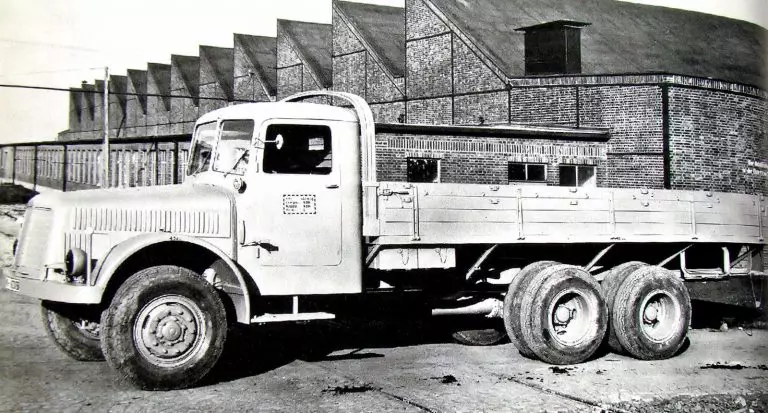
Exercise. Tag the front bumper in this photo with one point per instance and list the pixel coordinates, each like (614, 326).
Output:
(52, 291)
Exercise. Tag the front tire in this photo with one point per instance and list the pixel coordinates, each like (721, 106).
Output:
(165, 328)
(74, 329)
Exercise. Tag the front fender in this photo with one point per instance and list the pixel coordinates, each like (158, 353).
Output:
(120, 253)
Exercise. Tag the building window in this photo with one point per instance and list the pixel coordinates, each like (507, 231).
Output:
(578, 175)
(527, 172)
(298, 149)
(423, 170)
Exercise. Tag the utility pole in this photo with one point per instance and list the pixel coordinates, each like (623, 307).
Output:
(105, 150)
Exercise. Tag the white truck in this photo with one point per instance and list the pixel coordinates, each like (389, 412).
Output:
(281, 215)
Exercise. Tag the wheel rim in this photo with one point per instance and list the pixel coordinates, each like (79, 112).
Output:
(660, 316)
(90, 329)
(572, 317)
(169, 330)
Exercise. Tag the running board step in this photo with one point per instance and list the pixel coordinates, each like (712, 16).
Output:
(279, 318)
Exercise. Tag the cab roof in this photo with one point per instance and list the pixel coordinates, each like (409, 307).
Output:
(280, 110)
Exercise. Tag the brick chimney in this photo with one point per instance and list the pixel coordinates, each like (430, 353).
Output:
(553, 47)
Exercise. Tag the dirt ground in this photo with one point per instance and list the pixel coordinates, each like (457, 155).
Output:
(386, 366)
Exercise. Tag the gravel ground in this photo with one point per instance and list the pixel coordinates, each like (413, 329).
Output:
(381, 366)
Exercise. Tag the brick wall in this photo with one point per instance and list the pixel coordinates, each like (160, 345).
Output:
(158, 107)
(185, 78)
(428, 66)
(543, 105)
(216, 76)
(117, 88)
(388, 112)
(438, 111)
(421, 22)
(715, 141)
(634, 116)
(248, 74)
(379, 86)
(356, 71)
(470, 74)
(482, 160)
(135, 109)
(290, 69)
(492, 107)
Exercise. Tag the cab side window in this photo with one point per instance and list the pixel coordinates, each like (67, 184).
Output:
(298, 149)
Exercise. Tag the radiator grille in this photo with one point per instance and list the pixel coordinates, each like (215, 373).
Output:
(33, 242)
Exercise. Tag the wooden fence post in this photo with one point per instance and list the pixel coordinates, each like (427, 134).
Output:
(63, 168)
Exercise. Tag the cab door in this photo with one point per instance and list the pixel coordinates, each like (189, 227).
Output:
(297, 219)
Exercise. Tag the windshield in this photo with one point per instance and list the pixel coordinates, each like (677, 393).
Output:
(232, 151)
(229, 156)
(205, 137)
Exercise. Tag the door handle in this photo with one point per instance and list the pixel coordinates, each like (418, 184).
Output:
(332, 186)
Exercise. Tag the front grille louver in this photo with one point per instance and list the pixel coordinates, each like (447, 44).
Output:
(154, 220)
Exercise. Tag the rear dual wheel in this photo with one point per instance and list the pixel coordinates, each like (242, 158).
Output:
(650, 313)
(556, 313)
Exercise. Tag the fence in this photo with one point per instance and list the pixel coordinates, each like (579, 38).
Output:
(68, 166)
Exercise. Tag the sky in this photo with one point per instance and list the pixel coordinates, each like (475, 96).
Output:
(60, 43)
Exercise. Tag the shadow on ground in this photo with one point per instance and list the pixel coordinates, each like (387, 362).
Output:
(254, 350)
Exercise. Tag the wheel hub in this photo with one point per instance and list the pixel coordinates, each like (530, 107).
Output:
(650, 314)
(572, 316)
(660, 313)
(167, 330)
(564, 314)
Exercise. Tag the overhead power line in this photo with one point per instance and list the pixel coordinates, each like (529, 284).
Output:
(112, 92)
(82, 69)
(53, 45)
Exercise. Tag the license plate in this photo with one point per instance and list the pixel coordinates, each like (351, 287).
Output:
(12, 284)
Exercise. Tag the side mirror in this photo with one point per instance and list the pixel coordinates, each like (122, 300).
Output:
(278, 141)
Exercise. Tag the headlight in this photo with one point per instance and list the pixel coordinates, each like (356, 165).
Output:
(75, 262)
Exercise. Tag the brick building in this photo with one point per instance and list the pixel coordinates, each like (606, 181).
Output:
(681, 93)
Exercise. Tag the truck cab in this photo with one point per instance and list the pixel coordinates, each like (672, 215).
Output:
(295, 182)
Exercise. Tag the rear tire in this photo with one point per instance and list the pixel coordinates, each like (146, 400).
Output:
(165, 328)
(563, 315)
(651, 313)
(73, 330)
(513, 301)
(611, 284)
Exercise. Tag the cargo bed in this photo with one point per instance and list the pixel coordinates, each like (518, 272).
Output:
(419, 213)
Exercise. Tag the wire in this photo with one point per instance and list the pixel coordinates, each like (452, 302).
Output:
(59, 89)
(51, 71)
(44, 44)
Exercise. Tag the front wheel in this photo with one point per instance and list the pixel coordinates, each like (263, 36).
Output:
(165, 328)
(74, 329)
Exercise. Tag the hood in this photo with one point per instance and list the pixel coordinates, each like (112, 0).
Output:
(192, 209)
